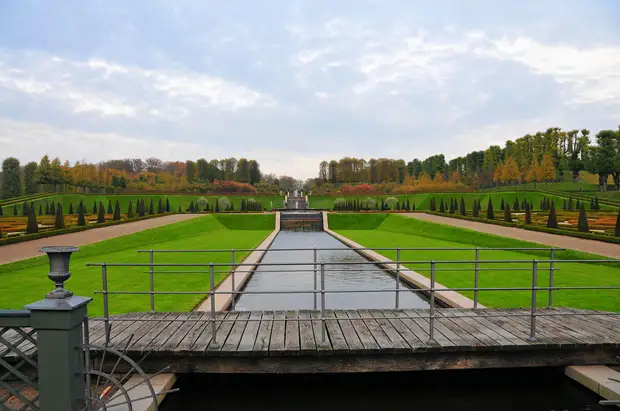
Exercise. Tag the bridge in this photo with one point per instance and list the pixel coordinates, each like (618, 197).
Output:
(362, 340)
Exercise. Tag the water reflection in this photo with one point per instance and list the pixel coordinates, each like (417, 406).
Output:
(341, 277)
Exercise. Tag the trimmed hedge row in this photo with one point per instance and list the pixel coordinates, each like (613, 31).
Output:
(21, 199)
(577, 234)
(52, 233)
(582, 197)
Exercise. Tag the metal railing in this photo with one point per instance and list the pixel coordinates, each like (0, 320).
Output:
(433, 291)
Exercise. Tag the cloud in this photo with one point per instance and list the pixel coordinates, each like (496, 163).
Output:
(110, 89)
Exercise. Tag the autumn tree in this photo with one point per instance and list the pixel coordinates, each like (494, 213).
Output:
(510, 172)
(547, 168)
(533, 174)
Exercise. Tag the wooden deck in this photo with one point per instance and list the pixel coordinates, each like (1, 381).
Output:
(387, 340)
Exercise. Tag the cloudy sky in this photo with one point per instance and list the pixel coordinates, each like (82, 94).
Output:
(293, 82)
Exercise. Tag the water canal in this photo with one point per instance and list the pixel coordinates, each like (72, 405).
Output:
(353, 275)
(523, 389)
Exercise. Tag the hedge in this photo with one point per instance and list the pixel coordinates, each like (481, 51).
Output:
(52, 233)
(576, 234)
(21, 199)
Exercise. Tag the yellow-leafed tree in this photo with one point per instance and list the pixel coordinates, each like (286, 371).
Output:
(547, 169)
(510, 172)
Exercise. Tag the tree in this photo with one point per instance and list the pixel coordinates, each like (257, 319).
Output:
(596, 204)
(592, 205)
(110, 210)
(528, 214)
(1, 212)
(507, 214)
(117, 211)
(53, 208)
(462, 207)
(552, 221)
(534, 174)
(129, 210)
(30, 183)
(190, 169)
(59, 222)
(160, 207)
(71, 207)
(217, 205)
(564, 206)
(582, 223)
(168, 205)
(442, 207)
(570, 204)
(11, 184)
(452, 208)
(578, 205)
(515, 206)
(101, 213)
(40, 209)
(180, 211)
(547, 168)
(605, 157)
(617, 228)
(25, 210)
(81, 220)
(94, 207)
(151, 207)
(502, 206)
(510, 172)
(32, 225)
(490, 214)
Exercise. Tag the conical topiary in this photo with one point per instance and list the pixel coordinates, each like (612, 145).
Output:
(117, 211)
(167, 205)
(502, 205)
(571, 207)
(552, 221)
(490, 214)
(101, 213)
(442, 207)
(578, 205)
(592, 205)
(71, 207)
(59, 222)
(462, 210)
(40, 209)
(130, 210)
(617, 229)
(53, 208)
(151, 207)
(528, 214)
(110, 210)
(15, 211)
(507, 214)
(596, 204)
(80, 219)
(475, 211)
(32, 225)
(582, 223)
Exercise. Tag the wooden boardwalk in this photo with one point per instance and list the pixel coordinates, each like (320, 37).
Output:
(363, 340)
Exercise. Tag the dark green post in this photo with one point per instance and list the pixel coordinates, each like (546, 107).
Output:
(58, 320)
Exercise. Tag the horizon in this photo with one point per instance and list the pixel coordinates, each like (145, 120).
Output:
(291, 84)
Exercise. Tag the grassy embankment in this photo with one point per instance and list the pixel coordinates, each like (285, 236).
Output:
(26, 281)
(400, 231)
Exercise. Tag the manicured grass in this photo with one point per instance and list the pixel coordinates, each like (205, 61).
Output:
(26, 281)
(327, 202)
(247, 221)
(400, 231)
(175, 201)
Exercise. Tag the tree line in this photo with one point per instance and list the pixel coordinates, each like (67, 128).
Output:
(152, 174)
(543, 156)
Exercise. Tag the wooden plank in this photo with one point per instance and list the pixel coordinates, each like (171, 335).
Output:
(348, 331)
(131, 332)
(399, 344)
(236, 332)
(445, 337)
(117, 328)
(419, 328)
(363, 333)
(336, 337)
(276, 345)
(412, 339)
(384, 342)
(306, 334)
(246, 345)
(291, 337)
(564, 326)
(206, 333)
(143, 342)
(189, 340)
(323, 347)
(520, 332)
(549, 340)
(512, 339)
(179, 335)
(454, 325)
(263, 337)
(473, 332)
(221, 334)
(610, 335)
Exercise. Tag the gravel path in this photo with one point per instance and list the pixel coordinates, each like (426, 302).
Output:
(21, 251)
(572, 243)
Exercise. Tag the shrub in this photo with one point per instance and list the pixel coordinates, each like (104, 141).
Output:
(507, 214)
(462, 207)
(391, 202)
(224, 203)
(582, 223)
(490, 213)
(528, 214)
(117, 211)
(59, 222)
(617, 229)
(110, 211)
(101, 213)
(130, 210)
(502, 205)
(32, 226)
(552, 221)
(81, 220)
(442, 207)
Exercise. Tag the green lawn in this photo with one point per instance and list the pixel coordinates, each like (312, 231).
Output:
(400, 231)
(26, 281)
(175, 201)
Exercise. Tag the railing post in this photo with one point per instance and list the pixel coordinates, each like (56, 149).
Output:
(396, 302)
(232, 277)
(431, 311)
(533, 308)
(476, 277)
(58, 320)
(323, 325)
(314, 296)
(106, 302)
(212, 298)
(551, 274)
(152, 280)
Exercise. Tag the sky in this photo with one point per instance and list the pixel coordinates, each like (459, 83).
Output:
(293, 82)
